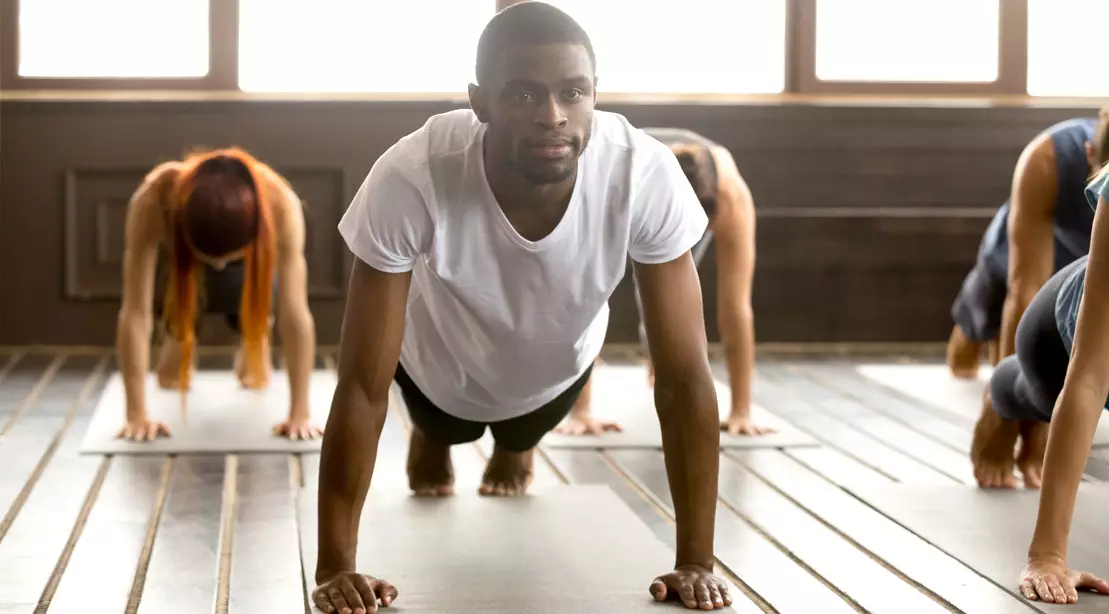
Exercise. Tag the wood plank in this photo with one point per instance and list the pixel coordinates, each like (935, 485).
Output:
(112, 546)
(873, 587)
(770, 572)
(838, 467)
(266, 573)
(22, 387)
(884, 539)
(783, 401)
(944, 459)
(182, 574)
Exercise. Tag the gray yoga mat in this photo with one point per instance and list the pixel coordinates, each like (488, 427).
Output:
(989, 530)
(565, 549)
(934, 384)
(621, 394)
(221, 417)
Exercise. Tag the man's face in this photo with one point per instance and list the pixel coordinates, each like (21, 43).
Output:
(539, 107)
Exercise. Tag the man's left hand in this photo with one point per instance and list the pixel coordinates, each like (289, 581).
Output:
(696, 587)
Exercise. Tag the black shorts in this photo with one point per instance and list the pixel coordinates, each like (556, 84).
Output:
(978, 306)
(220, 294)
(517, 434)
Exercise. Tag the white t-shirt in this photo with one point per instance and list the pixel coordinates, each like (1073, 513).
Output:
(497, 325)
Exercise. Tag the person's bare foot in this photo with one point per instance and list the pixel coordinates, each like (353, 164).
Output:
(963, 355)
(991, 450)
(430, 472)
(508, 474)
(1030, 454)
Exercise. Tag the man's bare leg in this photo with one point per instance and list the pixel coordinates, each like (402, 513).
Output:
(993, 446)
(963, 355)
(430, 471)
(508, 473)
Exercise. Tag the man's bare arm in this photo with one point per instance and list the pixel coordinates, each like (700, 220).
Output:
(144, 227)
(369, 349)
(1031, 236)
(685, 398)
(734, 230)
(294, 317)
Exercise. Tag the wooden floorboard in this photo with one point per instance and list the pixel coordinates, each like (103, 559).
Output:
(216, 533)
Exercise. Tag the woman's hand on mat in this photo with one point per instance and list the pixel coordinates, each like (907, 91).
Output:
(741, 424)
(349, 592)
(696, 587)
(143, 429)
(1050, 581)
(297, 428)
(584, 424)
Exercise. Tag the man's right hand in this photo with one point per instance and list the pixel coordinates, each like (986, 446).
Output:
(349, 592)
(143, 429)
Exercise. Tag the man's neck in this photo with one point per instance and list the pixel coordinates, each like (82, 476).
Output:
(533, 209)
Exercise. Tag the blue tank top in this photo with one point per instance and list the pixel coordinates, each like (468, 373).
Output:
(1070, 291)
(1073, 215)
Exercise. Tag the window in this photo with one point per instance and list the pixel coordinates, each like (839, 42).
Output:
(708, 46)
(897, 41)
(359, 45)
(1062, 60)
(113, 38)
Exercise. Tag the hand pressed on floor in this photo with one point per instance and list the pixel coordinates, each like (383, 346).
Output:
(349, 592)
(1052, 582)
(696, 587)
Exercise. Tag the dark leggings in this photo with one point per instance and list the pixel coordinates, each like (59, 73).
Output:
(518, 434)
(1025, 385)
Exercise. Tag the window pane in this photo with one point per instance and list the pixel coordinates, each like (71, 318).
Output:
(1061, 62)
(898, 41)
(706, 46)
(113, 38)
(360, 45)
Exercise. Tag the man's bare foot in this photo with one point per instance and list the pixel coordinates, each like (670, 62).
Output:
(430, 472)
(963, 355)
(508, 474)
(991, 451)
(1030, 455)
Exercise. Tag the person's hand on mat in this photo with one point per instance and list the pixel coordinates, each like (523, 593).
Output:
(143, 429)
(1052, 582)
(297, 428)
(353, 593)
(585, 424)
(696, 587)
(741, 424)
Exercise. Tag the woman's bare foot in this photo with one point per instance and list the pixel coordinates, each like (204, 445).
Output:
(508, 474)
(991, 450)
(1030, 455)
(963, 355)
(430, 472)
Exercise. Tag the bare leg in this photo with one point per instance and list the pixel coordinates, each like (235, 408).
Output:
(1030, 456)
(430, 472)
(963, 355)
(508, 473)
(992, 448)
(245, 378)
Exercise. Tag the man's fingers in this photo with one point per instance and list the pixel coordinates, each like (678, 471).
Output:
(385, 591)
(704, 596)
(336, 597)
(688, 596)
(354, 600)
(725, 594)
(714, 594)
(322, 601)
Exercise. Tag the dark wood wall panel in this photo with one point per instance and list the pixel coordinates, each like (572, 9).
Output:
(869, 216)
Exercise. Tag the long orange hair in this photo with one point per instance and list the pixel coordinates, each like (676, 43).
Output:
(185, 268)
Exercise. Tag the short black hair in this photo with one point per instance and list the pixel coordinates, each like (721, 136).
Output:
(528, 23)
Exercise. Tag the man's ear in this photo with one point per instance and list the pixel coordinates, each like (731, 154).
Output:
(478, 103)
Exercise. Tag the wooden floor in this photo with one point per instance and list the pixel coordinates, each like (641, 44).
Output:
(211, 533)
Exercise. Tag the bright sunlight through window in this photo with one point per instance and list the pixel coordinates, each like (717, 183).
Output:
(359, 45)
(897, 41)
(705, 46)
(113, 38)
(1061, 60)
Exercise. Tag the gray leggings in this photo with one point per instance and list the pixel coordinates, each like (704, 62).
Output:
(699, 250)
(1025, 385)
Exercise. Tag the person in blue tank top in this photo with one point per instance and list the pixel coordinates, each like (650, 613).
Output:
(1059, 377)
(1043, 227)
(728, 203)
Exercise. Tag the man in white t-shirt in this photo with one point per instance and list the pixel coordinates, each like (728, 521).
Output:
(487, 245)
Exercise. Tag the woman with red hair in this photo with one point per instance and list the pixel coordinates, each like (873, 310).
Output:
(229, 226)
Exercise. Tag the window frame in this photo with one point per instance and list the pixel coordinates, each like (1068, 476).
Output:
(799, 80)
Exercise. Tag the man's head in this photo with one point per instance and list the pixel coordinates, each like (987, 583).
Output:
(218, 208)
(536, 74)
